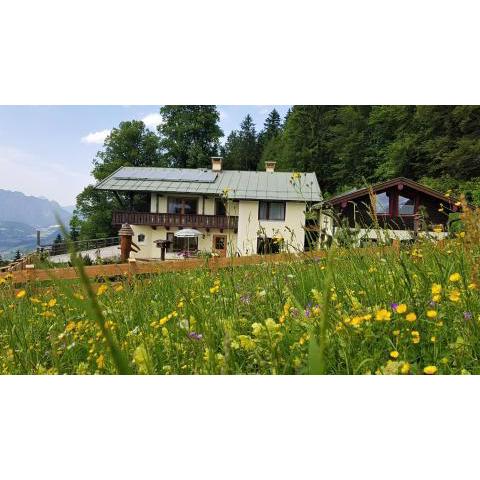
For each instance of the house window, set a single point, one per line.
(267, 245)
(406, 205)
(182, 206)
(180, 244)
(382, 204)
(170, 238)
(220, 207)
(141, 238)
(271, 210)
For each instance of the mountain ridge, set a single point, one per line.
(22, 215)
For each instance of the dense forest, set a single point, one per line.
(346, 146)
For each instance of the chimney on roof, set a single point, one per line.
(217, 164)
(270, 166)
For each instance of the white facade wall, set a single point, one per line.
(249, 227)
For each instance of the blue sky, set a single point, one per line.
(48, 151)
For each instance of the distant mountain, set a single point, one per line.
(20, 218)
(20, 236)
(33, 211)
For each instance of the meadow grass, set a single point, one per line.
(354, 312)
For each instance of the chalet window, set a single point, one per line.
(179, 244)
(382, 204)
(271, 210)
(220, 207)
(182, 205)
(268, 245)
(406, 205)
(141, 238)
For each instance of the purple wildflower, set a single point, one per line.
(432, 304)
(195, 336)
(245, 299)
(467, 315)
(394, 306)
(308, 312)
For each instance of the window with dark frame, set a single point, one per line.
(406, 205)
(267, 245)
(271, 210)
(141, 238)
(180, 244)
(382, 206)
(182, 206)
(220, 207)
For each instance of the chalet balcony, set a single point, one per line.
(168, 220)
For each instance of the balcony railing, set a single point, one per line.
(175, 220)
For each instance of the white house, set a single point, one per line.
(236, 212)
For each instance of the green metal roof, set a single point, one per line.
(241, 185)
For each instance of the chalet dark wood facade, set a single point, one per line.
(398, 204)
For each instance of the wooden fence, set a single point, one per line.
(133, 268)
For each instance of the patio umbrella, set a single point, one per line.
(188, 233)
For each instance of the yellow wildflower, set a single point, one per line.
(405, 368)
(411, 317)
(431, 313)
(102, 289)
(382, 315)
(394, 354)
(430, 370)
(455, 277)
(52, 302)
(119, 288)
(100, 361)
(415, 336)
(436, 289)
(246, 342)
(396, 333)
(454, 296)
(70, 326)
(21, 294)
(437, 298)
(433, 339)
(257, 328)
(402, 308)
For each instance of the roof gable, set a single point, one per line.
(395, 182)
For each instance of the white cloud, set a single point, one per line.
(152, 120)
(96, 137)
(35, 175)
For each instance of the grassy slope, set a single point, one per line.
(264, 319)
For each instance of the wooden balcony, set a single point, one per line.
(168, 220)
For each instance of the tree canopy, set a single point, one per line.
(344, 145)
(189, 135)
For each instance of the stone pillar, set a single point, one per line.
(126, 234)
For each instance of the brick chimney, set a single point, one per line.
(217, 164)
(270, 166)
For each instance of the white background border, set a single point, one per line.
(249, 52)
